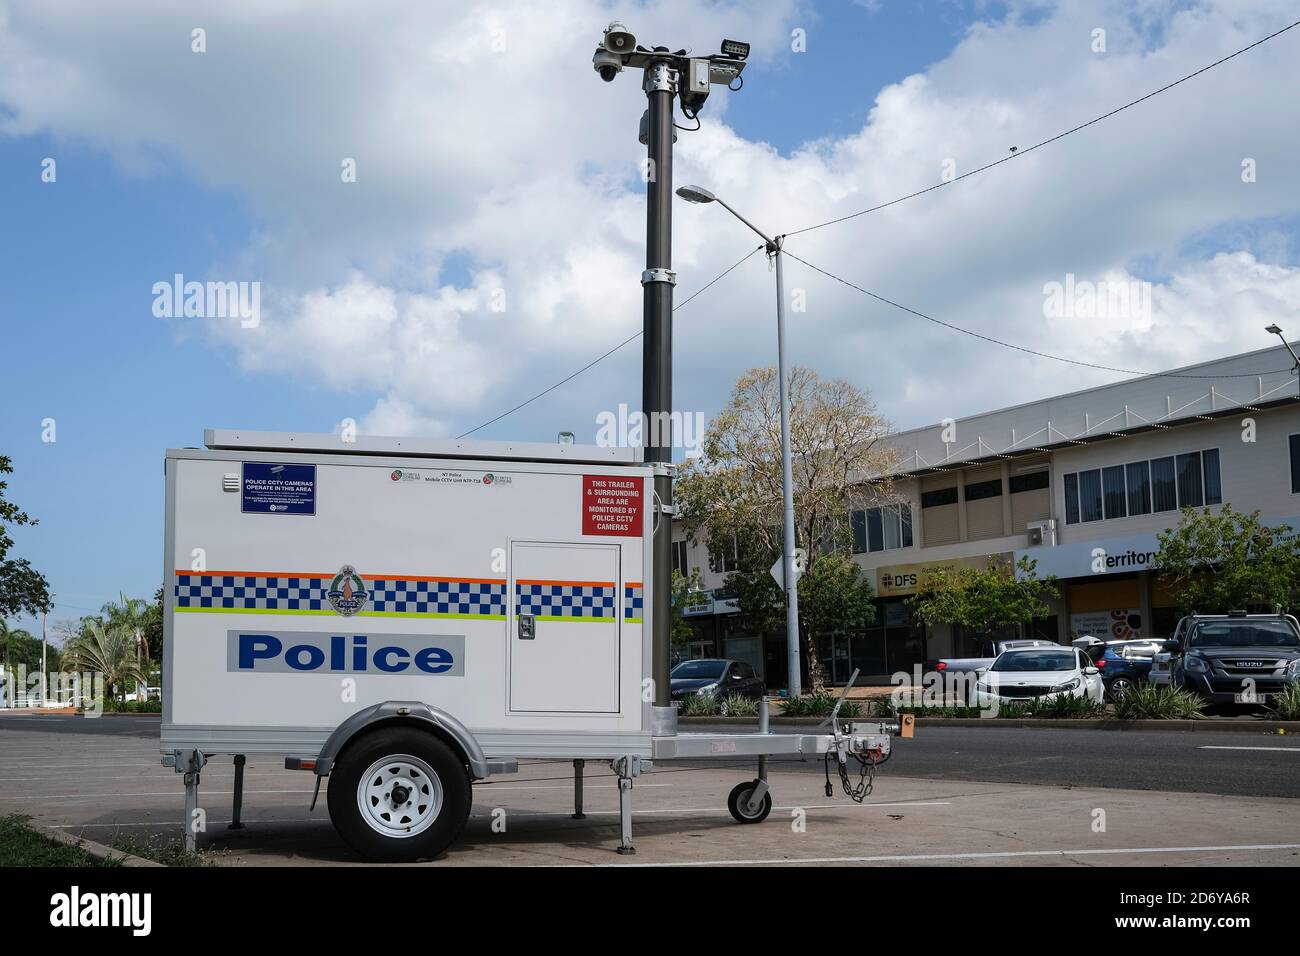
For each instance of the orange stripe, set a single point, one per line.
(631, 584)
(575, 584)
(368, 577)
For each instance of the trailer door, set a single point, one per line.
(564, 627)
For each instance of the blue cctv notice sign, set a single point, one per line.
(278, 489)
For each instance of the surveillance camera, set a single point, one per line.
(607, 64)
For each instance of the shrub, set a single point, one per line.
(700, 705)
(1157, 702)
(1286, 705)
(1065, 707)
(733, 705)
(818, 705)
(114, 706)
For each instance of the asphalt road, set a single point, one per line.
(1182, 762)
(956, 796)
(1234, 764)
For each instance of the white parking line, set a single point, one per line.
(1007, 855)
(1289, 750)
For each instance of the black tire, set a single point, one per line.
(739, 796)
(360, 755)
(1119, 687)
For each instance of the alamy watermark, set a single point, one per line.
(629, 429)
(209, 300)
(1073, 299)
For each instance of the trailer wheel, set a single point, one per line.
(738, 800)
(399, 793)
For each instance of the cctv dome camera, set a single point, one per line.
(607, 64)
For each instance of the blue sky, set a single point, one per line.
(162, 172)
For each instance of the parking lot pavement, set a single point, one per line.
(106, 783)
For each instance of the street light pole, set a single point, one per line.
(789, 579)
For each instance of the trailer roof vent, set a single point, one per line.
(229, 482)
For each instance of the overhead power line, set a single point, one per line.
(605, 355)
(1022, 152)
(1021, 348)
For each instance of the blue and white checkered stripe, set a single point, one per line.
(633, 602)
(306, 594)
(251, 592)
(438, 597)
(565, 600)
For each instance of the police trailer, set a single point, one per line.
(408, 616)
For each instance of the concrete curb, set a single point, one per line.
(97, 849)
(1207, 725)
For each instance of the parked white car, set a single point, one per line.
(1021, 675)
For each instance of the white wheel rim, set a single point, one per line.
(399, 796)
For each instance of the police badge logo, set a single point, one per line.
(347, 592)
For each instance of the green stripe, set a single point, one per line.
(331, 613)
(563, 617)
(632, 620)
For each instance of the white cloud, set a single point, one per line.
(481, 171)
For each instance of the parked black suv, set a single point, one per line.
(1236, 658)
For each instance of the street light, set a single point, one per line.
(1276, 330)
(789, 578)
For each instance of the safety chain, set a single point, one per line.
(866, 776)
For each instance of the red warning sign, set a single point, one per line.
(611, 505)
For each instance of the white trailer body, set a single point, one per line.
(447, 554)
(494, 595)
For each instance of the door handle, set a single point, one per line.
(527, 627)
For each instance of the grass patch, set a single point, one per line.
(20, 845)
(168, 852)
(1158, 702)
(1286, 705)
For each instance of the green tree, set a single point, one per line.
(22, 589)
(984, 599)
(733, 492)
(1225, 560)
(110, 650)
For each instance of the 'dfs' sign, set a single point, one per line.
(297, 652)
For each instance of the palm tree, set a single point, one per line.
(111, 650)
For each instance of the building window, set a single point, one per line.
(1190, 490)
(1034, 481)
(934, 499)
(679, 557)
(1112, 481)
(858, 525)
(1213, 485)
(1164, 495)
(1090, 495)
(1295, 464)
(886, 528)
(984, 489)
(1145, 487)
(725, 559)
(1139, 487)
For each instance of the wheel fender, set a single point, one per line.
(399, 712)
